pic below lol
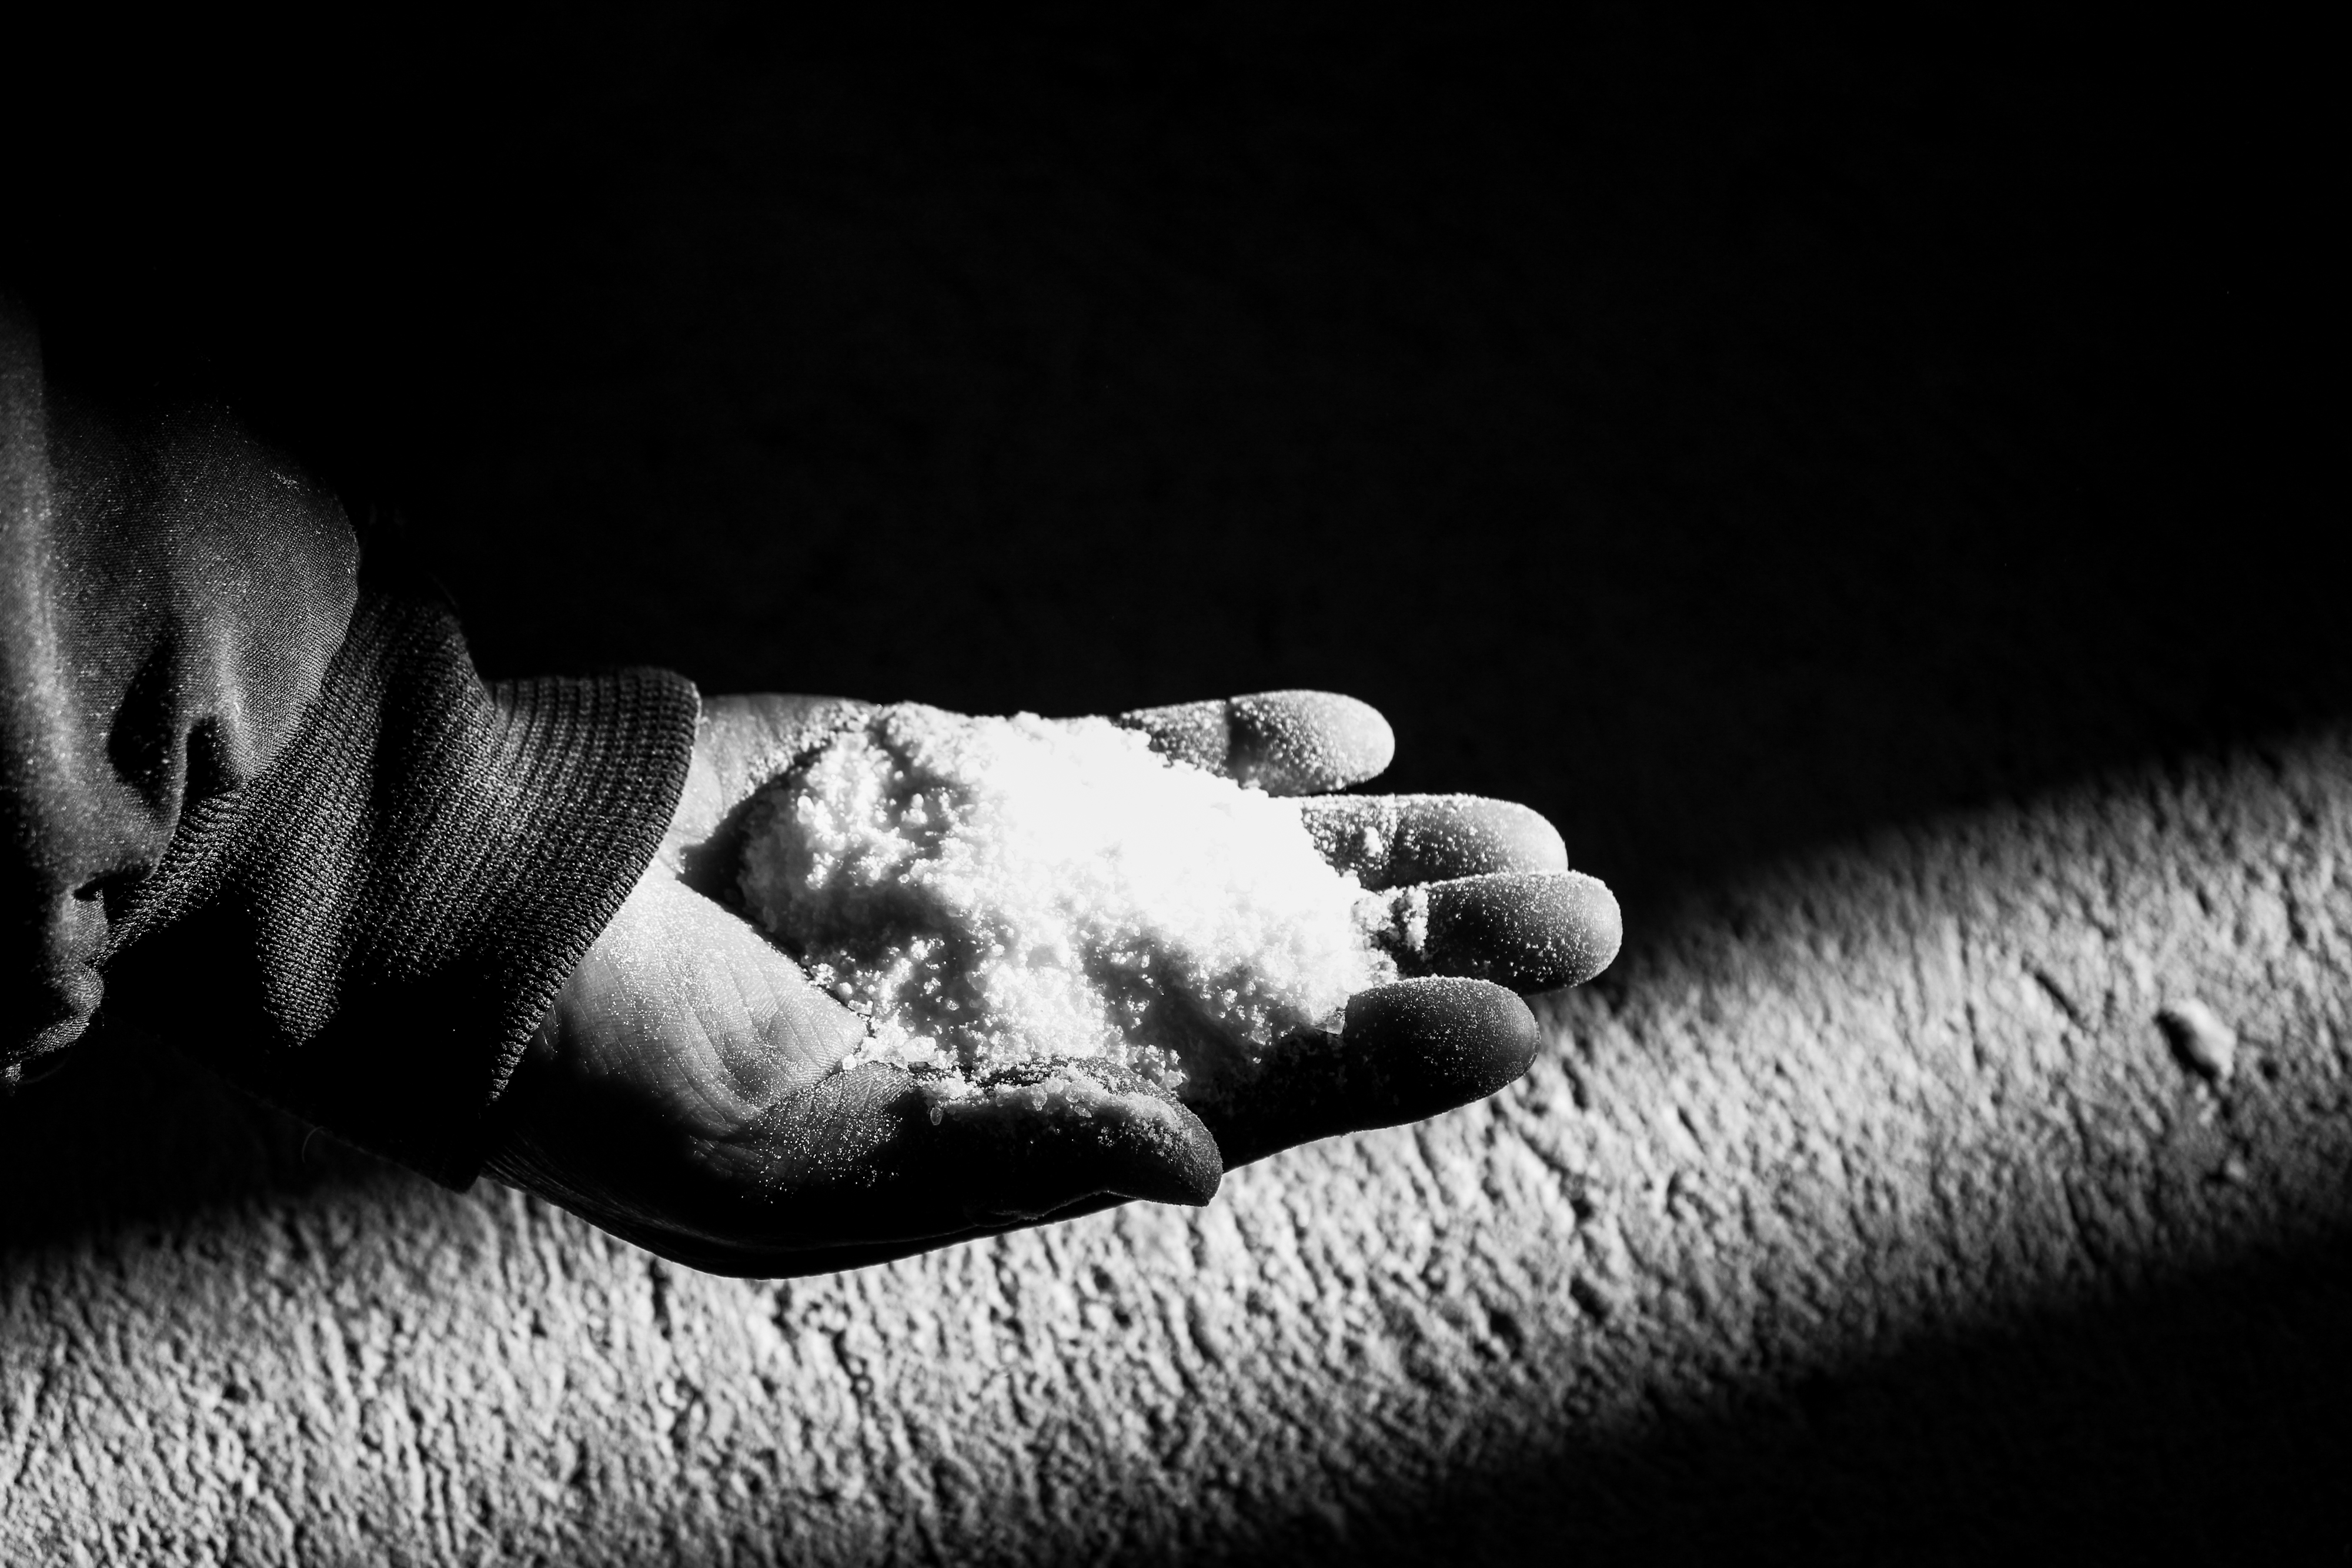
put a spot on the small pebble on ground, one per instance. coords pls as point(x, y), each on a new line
point(2204, 1044)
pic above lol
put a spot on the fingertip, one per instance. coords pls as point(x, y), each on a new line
point(1298, 742)
point(1057, 1132)
point(1603, 923)
point(1151, 1145)
point(1286, 743)
point(1531, 931)
point(1395, 841)
point(1176, 1164)
point(1439, 1041)
point(1405, 1050)
point(1527, 837)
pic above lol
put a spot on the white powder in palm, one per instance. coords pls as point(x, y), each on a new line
point(989, 891)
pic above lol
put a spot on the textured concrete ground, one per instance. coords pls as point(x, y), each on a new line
point(1883, 1154)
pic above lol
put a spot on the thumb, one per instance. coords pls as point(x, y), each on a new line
point(877, 1156)
point(1053, 1133)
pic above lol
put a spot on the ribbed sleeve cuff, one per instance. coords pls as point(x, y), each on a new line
point(593, 771)
point(368, 933)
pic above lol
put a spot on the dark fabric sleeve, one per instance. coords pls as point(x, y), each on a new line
point(265, 807)
point(370, 931)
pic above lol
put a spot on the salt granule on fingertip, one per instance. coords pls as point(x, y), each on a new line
point(2199, 1037)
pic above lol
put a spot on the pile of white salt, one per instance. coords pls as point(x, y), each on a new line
point(989, 891)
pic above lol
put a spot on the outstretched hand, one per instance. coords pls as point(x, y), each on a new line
point(683, 1093)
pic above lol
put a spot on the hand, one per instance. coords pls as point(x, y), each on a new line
point(681, 1091)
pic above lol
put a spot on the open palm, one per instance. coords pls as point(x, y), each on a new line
point(683, 1091)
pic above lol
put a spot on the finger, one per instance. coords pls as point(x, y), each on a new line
point(1405, 1051)
point(1393, 841)
point(875, 1157)
point(1286, 743)
point(1532, 931)
point(1046, 1134)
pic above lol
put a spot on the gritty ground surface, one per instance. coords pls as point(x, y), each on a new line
point(1885, 1153)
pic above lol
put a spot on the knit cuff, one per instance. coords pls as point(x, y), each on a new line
point(368, 933)
point(594, 768)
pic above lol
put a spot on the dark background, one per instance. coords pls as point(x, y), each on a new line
point(1725, 438)
point(1719, 437)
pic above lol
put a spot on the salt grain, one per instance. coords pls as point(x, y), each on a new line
point(988, 891)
